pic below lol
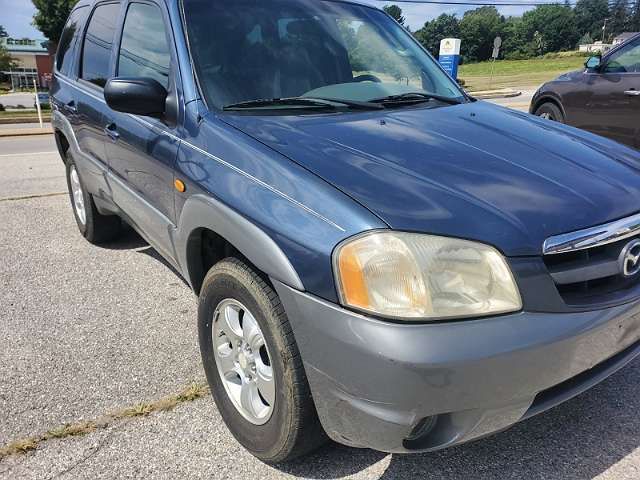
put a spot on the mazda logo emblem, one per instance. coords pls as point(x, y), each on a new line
point(629, 259)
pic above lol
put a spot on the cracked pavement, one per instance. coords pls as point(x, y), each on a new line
point(87, 330)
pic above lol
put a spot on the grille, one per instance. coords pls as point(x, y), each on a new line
point(592, 277)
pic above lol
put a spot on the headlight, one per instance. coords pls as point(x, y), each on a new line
point(416, 276)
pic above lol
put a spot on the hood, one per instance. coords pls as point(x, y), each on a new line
point(474, 170)
point(570, 76)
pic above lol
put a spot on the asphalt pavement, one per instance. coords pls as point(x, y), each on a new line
point(88, 330)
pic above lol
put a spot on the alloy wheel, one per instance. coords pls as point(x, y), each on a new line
point(243, 361)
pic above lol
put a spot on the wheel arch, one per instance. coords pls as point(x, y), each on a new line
point(210, 231)
point(549, 98)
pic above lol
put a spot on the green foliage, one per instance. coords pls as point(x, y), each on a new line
point(634, 21)
point(395, 11)
point(478, 28)
point(6, 62)
point(619, 17)
point(51, 15)
point(445, 26)
point(555, 25)
point(590, 15)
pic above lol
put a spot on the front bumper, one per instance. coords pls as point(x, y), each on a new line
point(373, 382)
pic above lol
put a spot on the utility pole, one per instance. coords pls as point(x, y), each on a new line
point(604, 29)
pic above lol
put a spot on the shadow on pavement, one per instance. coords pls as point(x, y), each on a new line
point(577, 440)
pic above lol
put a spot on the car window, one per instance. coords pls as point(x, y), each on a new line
point(626, 60)
point(98, 41)
point(68, 39)
point(248, 50)
point(144, 50)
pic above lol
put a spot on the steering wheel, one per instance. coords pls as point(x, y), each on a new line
point(367, 77)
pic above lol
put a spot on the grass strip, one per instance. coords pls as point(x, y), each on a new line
point(84, 427)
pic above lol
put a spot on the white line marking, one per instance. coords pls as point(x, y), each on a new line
point(26, 154)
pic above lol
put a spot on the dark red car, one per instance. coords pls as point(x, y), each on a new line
point(604, 98)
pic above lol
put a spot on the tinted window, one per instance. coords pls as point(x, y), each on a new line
point(144, 51)
point(626, 60)
point(98, 42)
point(68, 39)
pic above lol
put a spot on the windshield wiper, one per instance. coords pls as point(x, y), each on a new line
point(300, 103)
point(415, 97)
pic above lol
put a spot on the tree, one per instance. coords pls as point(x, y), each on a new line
point(619, 17)
point(50, 17)
point(590, 15)
point(478, 28)
point(586, 39)
point(634, 22)
point(395, 11)
point(445, 26)
point(6, 61)
point(556, 27)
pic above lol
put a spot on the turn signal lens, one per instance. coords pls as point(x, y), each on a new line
point(415, 276)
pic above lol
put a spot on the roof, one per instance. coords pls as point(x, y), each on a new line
point(626, 35)
point(24, 45)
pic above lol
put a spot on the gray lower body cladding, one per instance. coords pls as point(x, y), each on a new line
point(373, 382)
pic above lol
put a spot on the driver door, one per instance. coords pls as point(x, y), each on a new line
point(614, 99)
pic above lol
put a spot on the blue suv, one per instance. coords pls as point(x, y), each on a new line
point(380, 259)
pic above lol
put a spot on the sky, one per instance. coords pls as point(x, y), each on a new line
point(16, 15)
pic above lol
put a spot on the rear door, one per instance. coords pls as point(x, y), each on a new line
point(142, 150)
point(88, 105)
point(613, 102)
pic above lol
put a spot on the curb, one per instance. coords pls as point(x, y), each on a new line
point(16, 120)
point(26, 132)
point(488, 94)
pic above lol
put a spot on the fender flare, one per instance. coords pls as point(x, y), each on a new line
point(203, 212)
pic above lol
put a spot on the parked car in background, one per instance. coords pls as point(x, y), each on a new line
point(43, 99)
point(379, 258)
point(603, 98)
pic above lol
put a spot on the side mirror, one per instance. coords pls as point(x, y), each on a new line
point(593, 63)
point(139, 96)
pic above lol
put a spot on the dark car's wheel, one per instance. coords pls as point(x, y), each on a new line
point(550, 111)
point(253, 365)
point(93, 226)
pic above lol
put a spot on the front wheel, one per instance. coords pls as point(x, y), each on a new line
point(253, 365)
point(550, 111)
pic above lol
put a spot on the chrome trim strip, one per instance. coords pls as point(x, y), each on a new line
point(593, 236)
point(217, 159)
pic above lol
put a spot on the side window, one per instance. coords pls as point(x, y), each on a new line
point(144, 50)
point(626, 60)
point(68, 38)
point(98, 41)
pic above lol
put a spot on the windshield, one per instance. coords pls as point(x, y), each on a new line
point(249, 50)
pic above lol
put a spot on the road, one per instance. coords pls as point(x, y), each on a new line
point(12, 100)
point(90, 330)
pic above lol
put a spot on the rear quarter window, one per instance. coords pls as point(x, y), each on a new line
point(98, 43)
point(70, 34)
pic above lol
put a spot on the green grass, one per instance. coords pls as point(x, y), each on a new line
point(24, 113)
point(517, 73)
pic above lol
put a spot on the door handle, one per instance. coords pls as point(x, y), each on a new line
point(71, 107)
point(112, 132)
point(632, 93)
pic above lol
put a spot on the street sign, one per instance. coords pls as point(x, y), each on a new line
point(449, 56)
point(497, 43)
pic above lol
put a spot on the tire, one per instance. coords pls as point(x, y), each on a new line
point(289, 426)
point(93, 226)
point(550, 111)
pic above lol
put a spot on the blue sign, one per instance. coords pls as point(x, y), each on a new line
point(450, 64)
